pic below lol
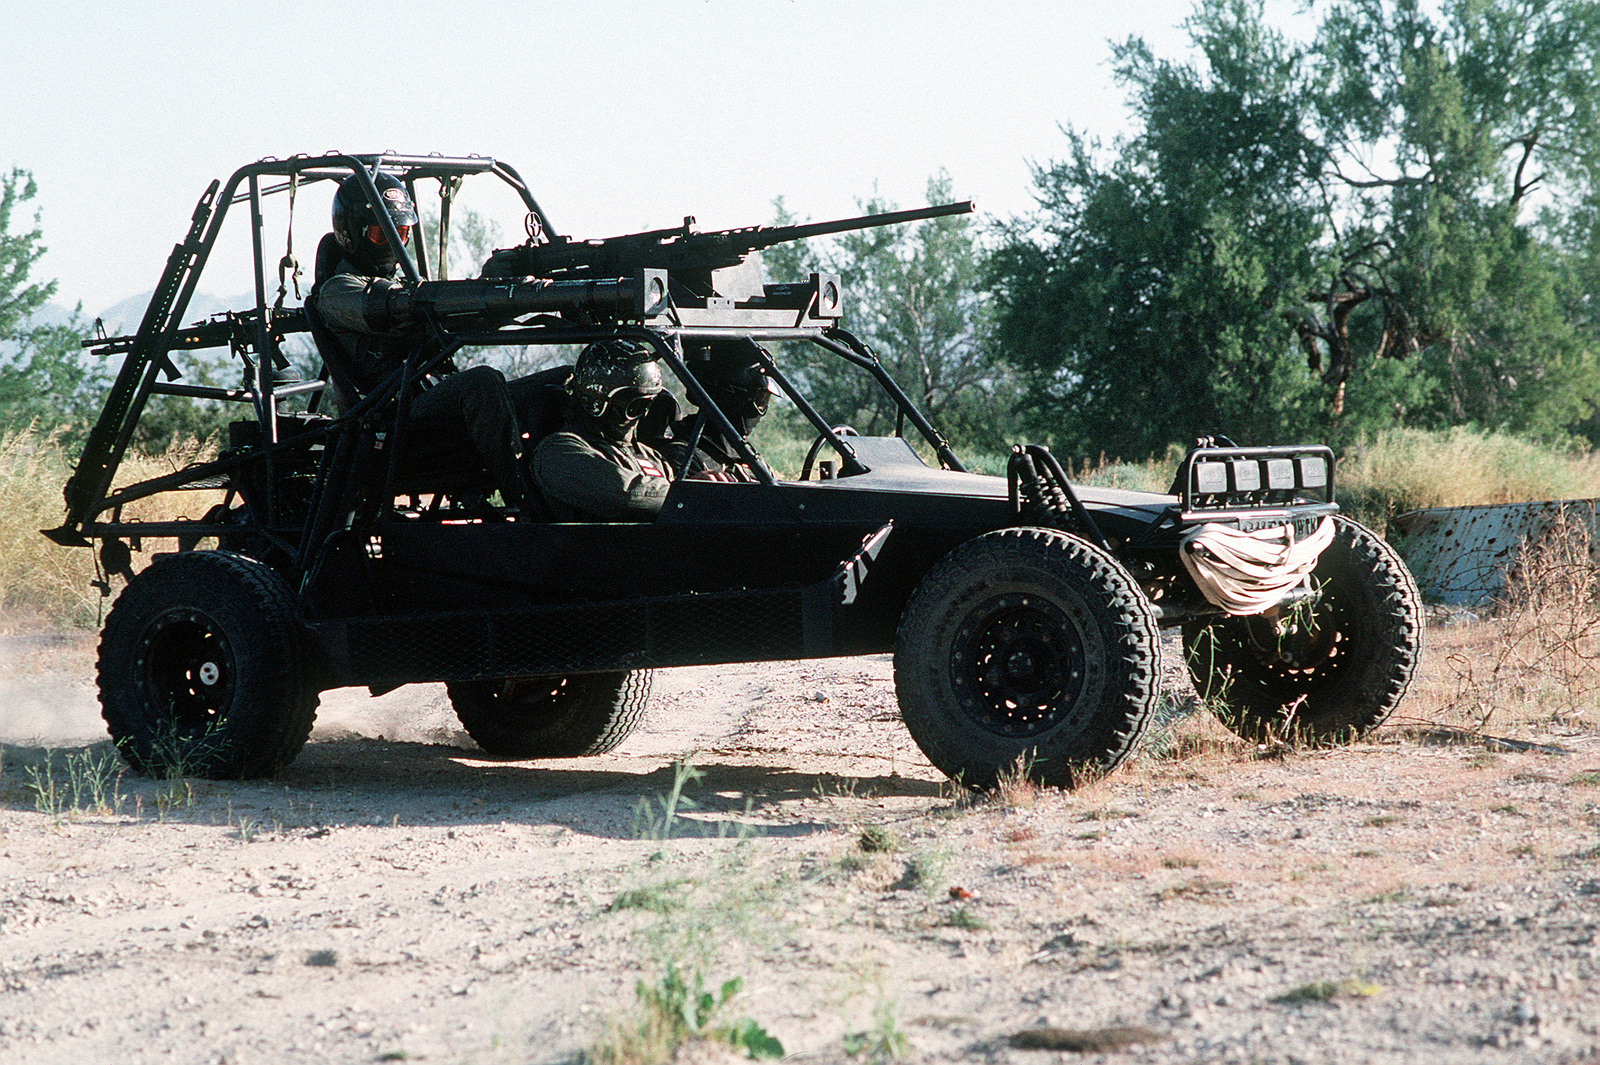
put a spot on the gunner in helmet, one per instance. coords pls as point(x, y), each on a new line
point(733, 373)
point(350, 298)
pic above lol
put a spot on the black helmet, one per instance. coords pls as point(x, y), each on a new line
point(734, 374)
point(615, 381)
point(356, 227)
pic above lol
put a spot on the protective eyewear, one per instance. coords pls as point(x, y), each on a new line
point(632, 406)
point(376, 235)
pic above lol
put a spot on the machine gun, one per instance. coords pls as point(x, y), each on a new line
point(704, 264)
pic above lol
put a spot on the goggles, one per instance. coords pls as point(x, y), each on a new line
point(375, 234)
point(630, 402)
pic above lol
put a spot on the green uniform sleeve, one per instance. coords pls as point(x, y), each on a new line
point(600, 481)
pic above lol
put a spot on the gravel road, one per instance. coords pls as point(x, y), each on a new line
point(395, 895)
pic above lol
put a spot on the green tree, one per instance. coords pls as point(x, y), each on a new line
point(914, 294)
point(1287, 218)
point(1440, 135)
point(45, 381)
point(1145, 301)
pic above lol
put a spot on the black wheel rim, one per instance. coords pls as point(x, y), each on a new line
point(186, 669)
point(1018, 666)
point(1307, 647)
point(533, 701)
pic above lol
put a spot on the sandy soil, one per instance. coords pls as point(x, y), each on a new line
point(396, 896)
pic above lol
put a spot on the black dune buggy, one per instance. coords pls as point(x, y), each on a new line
point(1023, 611)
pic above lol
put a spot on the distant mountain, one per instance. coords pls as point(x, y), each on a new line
point(125, 316)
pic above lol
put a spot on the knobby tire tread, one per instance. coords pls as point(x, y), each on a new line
point(1339, 707)
point(294, 705)
point(597, 717)
point(1131, 665)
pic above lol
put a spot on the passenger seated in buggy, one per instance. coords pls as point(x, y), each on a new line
point(732, 373)
point(594, 469)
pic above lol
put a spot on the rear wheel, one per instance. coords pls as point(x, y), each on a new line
point(552, 717)
point(1027, 644)
point(204, 671)
point(1325, 674)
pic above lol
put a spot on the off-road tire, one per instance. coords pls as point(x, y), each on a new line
point(1027, 644)
point(204, 671)
point(1331, 677)
point(552, 717)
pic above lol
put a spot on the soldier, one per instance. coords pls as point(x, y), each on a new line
point(350, 301)
point(594, 469)
point(732, 373)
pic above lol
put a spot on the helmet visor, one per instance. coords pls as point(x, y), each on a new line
point(376, 235)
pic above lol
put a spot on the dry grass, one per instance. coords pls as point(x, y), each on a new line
point(1408, 469)
point(43, 585)
point(1534, 664)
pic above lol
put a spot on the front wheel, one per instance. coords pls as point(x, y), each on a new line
point(204, 671)
point(552, 717)
point(1327, 673)
point(1027, 644)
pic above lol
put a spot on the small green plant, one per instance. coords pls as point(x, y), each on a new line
point(875, 839)
point(654, 898)
point(91, 783)
point(1586, 780)
point(173, 793)
point(1327, 990)
point(965, 920)
point(924, 870)
point(1382, 821)
point(1014, 787)
point(884, 1042)
point(658, 818)
point(673, 1012)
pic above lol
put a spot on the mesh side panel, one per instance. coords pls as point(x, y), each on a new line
point(727, 628)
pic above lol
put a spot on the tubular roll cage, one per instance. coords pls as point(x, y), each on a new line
point(255, 337)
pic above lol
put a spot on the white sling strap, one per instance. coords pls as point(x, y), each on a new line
point(1248, 572)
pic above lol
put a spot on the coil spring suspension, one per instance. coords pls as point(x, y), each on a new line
point(1042, 495)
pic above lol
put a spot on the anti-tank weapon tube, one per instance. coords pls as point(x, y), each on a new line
point(639, 296)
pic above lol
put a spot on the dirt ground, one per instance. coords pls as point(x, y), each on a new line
point(396, 896)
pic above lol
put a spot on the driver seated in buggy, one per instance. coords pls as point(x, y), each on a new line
point(362, 345)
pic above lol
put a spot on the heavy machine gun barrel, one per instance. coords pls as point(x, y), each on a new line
point(680, 249)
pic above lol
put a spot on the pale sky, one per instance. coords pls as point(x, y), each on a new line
point(621, 115)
